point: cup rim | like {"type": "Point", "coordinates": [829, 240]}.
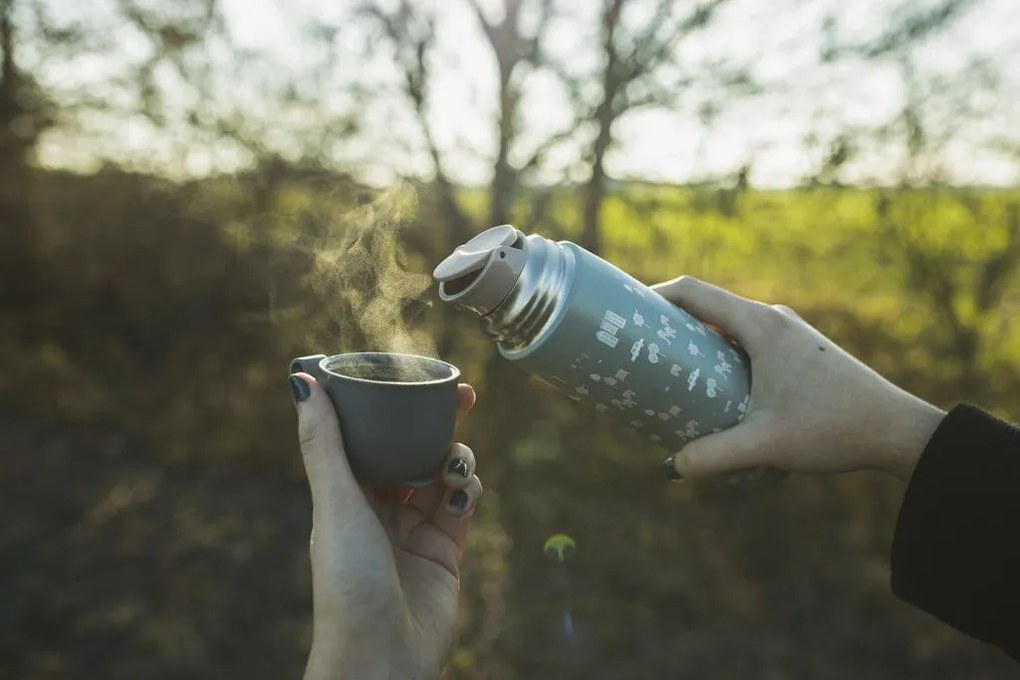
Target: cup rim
{"type": "Point", "coordinates": [453, 377]}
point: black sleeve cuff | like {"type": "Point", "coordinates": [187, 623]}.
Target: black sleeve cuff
{"type": "Point", "coordinates": [955, 550]}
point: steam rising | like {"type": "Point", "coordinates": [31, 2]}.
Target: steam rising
{"type": "Point", "coordinates": [364, 271]}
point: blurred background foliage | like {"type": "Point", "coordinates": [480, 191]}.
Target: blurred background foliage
{"type": "Point", "coordinates": [156, 518]}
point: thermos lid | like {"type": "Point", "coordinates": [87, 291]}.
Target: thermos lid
{"type": "Point", "coordinates": [481, 273]}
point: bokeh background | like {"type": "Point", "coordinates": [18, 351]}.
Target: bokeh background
{"type": "Point", "coordinates": [193, 192]}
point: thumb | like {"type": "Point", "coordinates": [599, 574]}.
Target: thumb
{"type": "Point", "coordinates": [740, 447]}
{"type": "Point", "coordinates": [729, 311]}
{"type": "Point", "coordinates": [336, 494]}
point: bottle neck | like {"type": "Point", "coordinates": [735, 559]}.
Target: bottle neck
{"type": "Point", "coordinates": [537, 297]}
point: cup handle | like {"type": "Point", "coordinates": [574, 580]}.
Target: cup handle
{"type": "Point", "coordinates": [308, 364]}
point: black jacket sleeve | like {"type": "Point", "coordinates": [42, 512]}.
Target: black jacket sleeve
{"type": "Point", "coordinates": [956, 550]}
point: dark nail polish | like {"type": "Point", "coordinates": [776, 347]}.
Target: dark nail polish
{"type": "Point", "coordinates": [458, 466]}
{"type": "Point", "coordinates": [459, 499]}
{"type": "Point", "coordinates": [670, 470]}
{"type": "Point", "coordinates": [299, 388]}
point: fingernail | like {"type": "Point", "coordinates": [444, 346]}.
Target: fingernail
{"type": "Point", "coordinates": [299, 388]}
{"type": "Point", "coordinates": [669, 469]}
{"type": "Point", "coordinates": [459, 499]}
{"type": "Point", "coordinates": [458, 466]}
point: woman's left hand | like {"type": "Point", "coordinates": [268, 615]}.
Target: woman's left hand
{"type": "Point", "coordinates": [385, 571]}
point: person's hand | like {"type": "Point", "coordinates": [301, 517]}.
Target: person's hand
{"type": "Point", "coordinates": [813, 407]}
{"type": "Point", "coordinates": [385, 572]}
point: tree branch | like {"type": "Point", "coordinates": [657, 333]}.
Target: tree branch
{"type": "Point", "coordinates": [653, 48]}
{"type": "Point", "coordinates": [490, 29]}
{"type": "Point", "coordinates": [912, 26]}
{"type": "Point", "coordinates": [544, 147]}
{"type": "Point", "coordinates": [412, 51]}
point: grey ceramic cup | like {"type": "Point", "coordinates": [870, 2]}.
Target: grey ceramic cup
{"type": "Point", "coordinates": [396, 412]}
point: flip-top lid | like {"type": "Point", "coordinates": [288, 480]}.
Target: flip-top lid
{"type": "Point", "coordinates": [481, 273]}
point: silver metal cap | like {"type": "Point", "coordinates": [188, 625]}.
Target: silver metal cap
{"type": "Point", "coordinates": [479, 274]}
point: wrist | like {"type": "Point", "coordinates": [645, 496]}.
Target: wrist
{"type": "Point", "coordinates": [910, 429]}
{"type": "Point", "coordinates": [334, 656]}
{"type": "Point", "coordinates": [330, 665]}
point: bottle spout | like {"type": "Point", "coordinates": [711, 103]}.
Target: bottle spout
{"type": "Point", "coordinates": [480, 274]}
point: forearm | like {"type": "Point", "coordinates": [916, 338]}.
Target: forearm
{"type": "Point", "coordinates": [326, 662]}
{"type": "Point", "coordinates": [910, 424]}
{"type": "Point", "coordinates": [336, 654]}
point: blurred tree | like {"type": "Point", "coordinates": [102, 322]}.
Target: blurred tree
{"type": "Point", "coordinates": [272, 116]}
{"type": "Point", "coordinates": [512, 50]}
{"type": "Point", "coordinates": [409, 32]}
{"type": "Point", "coordinates": [25, 112]}
{"type": "Point", "coordinates": [173, 37]}
{"type": "Point", "coordinates": [960, 282]}
{"type": "Point", "coordinates": [907, 24]}
{"type": "Point", "coordinates": [410, 29]}
{"type": "Point", "coordinates": [516, 46]}
{"type": "Point", "coordinates": [631, 59]}
{"type": "Point", "coordinates": [907, 27]}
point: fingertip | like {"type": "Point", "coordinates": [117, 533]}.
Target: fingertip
{"type": "Point", "coordinates": [669, 469]}
{"type": "Point", "coordinates": [458, 503]}
{"type": "Point", "coordinates": [673, 289]}
{"type": "Point", "coordinates": [466, 393]}
{"type": "Point", "coordinates": [692, 463]}
{"type": "Point", "coordinates": [682, 464]}
{"type": "Point", "coordinates": [305, 388]}
{"type": "Point", "coordinates": [461, 503]}
{"type": "Point", "coordinates": [459, 467]}
{"type": "Point", "coordinates": [743, 446]}
{"type": "Point", "coordinates": [307, 377]}
{"type": "Point", "coordinates": [300, 390]}
{"type": "Point", "coordinates": [317, 418]}
{"type": "Point", "coordinates": [466, 398]}
{"type": "Point", "coordinates": [300, 376]}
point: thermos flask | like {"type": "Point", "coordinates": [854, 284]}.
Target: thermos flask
{"type": "Point", "coordinates": [596, 333]}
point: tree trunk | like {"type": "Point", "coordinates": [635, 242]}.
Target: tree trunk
{"type": "Point", "coordinates": [594, 192]}
{"type": "Point", "coordinates": [501, 192]}
{"type": "Point", "coordinates": [15, 141]}
{"type": "Point", "coordinates": [456, 230]}
{"type": "Point", "coordinates": [9, 86]}
{"type": "Point", "coordinates": [17, 232]}
{"type": "Point", "coordinates": [605, 114]}
{"type": "Point", "coordinates": [595, 189]}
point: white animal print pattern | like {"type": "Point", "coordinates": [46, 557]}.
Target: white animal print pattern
{"type": "Point", "coordinates": [674, 345]}
{"type": "Point", "coordinates": [692, 379]}
{"type": "Point", "coordinates": [636, 349]}
{"type": "Point", "coordinates": [653, 353]}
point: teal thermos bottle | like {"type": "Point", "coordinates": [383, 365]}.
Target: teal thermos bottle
{"type": "Point", "coordinates": [599, 335]}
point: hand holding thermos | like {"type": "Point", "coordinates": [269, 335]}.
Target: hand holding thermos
{"type": "Point", "coordinates": [814, 408]}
